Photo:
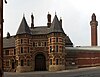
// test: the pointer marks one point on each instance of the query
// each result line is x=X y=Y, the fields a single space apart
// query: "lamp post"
x=1 y=37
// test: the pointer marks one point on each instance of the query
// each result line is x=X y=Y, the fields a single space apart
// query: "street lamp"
x=1 y=37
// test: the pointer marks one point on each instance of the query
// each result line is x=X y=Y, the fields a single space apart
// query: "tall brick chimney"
x=32 y=21
x=49 y=20
x=94 y=25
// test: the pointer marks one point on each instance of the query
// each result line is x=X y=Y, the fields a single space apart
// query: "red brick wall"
x=88 y=58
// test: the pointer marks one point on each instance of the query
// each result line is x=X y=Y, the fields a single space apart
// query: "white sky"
x=76 y=16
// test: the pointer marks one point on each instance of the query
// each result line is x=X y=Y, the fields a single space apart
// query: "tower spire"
x=93 y=17
x=23 y=14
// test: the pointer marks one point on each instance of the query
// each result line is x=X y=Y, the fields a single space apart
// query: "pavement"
x=81 y=72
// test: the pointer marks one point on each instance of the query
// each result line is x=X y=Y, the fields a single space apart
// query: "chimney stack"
x=49 y=19
x=32 y=21
x=61 y=21
x=94 y=25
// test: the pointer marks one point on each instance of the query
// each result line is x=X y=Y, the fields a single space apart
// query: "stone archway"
x=40 y=62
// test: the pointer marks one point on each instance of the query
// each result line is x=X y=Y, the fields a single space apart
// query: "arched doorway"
x=40 y=62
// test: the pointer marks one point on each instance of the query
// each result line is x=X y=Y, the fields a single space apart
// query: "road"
x=83 y=72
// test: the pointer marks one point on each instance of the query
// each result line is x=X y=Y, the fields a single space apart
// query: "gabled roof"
x=56 y=26
x=9 y=42
x=39 y=30
x=23 y=28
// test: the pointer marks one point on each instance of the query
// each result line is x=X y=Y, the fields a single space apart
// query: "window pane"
x=56 y=61
x=33 y=44
x=22 y=62
x=21 y=49
x=50 y=61
x=21 y=41
x=45 y=44
x=39 y=44
x=57 y=39
x=50 y=49
x=28 y=50
x=50 y=40
x=56 y=48
x=6 y=52
x=28 y=63
x=7 y=63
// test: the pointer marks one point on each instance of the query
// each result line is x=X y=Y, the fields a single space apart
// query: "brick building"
x=48 y=48
x=36 y=48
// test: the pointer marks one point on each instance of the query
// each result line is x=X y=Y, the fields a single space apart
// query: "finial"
x=23 y=15
x=32 y=13
x=60 y=18
x=55 y=13
x=48 y=13
x=93 y=17
x=5 y=1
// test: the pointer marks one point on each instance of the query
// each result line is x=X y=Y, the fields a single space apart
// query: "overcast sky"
x=76 y=16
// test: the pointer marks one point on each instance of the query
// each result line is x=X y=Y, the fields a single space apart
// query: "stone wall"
x=24 y=69
x=56 y=67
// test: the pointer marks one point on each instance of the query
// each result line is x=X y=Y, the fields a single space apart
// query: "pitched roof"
x=23 y=28
x=9 y=42
x=68 y=42
x=40 y=30
x=83 y=48
x=56 y=26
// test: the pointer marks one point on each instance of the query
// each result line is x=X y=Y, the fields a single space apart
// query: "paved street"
x=83 y=72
